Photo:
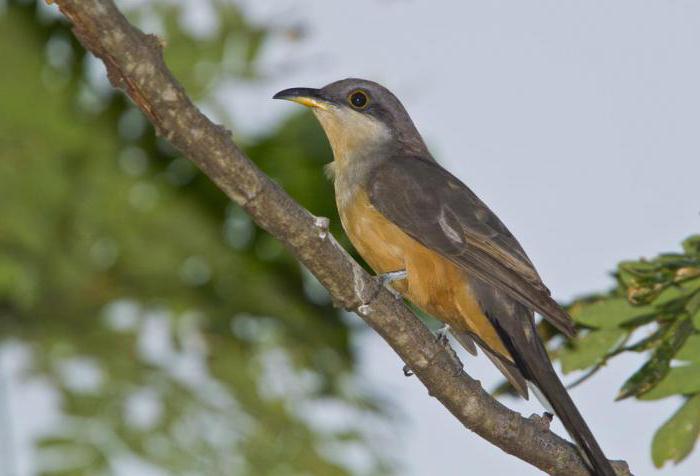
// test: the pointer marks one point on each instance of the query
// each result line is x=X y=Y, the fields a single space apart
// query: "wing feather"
x=439 y=211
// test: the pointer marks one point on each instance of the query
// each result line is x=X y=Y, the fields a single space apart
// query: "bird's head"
x=359 y=117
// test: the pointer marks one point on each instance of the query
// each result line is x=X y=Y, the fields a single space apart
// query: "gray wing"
x=436 y=209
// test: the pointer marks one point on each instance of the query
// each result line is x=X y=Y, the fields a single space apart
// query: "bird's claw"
x=322 y=223
x=397 y=295
x=385 y=279
x=441 y=335
x=542 y=421
x=442 y=338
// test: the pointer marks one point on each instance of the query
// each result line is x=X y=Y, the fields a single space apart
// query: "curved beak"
x=308 y=97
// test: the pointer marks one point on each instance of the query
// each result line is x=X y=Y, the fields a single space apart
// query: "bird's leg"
x=392 y=276
x=441 y=336
x=385 y=279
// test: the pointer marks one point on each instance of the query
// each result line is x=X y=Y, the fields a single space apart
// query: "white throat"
x=357 y=141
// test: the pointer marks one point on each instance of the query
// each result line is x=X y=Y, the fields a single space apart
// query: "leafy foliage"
x=175 y=330
x=676 y=438
x=654 y=310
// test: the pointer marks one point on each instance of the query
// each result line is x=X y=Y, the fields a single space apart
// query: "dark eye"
x=358 y=99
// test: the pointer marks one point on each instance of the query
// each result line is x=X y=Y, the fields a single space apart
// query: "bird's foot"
x=385 y=279
x=442 y=338
x=441 y=335
x=322 y=224
x=542 y=421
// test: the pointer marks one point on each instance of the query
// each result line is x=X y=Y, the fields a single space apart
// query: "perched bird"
x=438 y=244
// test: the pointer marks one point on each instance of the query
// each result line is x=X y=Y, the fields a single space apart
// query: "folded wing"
x=439 y=211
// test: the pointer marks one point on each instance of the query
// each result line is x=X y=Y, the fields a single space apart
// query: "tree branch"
x=135 y=64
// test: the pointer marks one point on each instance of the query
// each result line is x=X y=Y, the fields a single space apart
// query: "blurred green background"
x=173 y=329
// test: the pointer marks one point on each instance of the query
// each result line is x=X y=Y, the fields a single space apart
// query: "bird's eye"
x=358 y=99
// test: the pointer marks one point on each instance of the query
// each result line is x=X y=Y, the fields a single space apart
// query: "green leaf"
x=608 y=313
x=658 y=366
x=590 y=349
x=674 y=292
x=683 y=380
x=691 y=245
x=693 y=307
x=676 y=438
x=690 y=350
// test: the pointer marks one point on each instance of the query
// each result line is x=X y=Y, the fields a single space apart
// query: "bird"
x=430 y=238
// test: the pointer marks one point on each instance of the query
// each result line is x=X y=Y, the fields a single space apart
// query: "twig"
x=603 y=361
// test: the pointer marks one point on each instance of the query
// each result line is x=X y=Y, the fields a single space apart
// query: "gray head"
x=360 y=117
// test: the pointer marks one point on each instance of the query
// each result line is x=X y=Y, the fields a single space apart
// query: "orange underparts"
x=434 y=283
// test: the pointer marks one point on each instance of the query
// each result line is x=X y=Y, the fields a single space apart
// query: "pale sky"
x=576 y=121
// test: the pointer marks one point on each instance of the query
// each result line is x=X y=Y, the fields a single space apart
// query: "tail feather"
x=515 y=326
x=554 y=391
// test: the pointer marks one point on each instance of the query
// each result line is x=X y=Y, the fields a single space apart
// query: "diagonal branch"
x=135 y=64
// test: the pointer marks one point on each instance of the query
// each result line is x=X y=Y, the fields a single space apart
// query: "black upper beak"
x=309 y=97
x=293 y=93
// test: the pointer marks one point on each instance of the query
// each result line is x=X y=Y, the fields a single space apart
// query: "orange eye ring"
x=358 y=99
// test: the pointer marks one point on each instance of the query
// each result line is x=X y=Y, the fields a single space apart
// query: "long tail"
x=544 y=377
x=515 y=325
x=532 y=360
